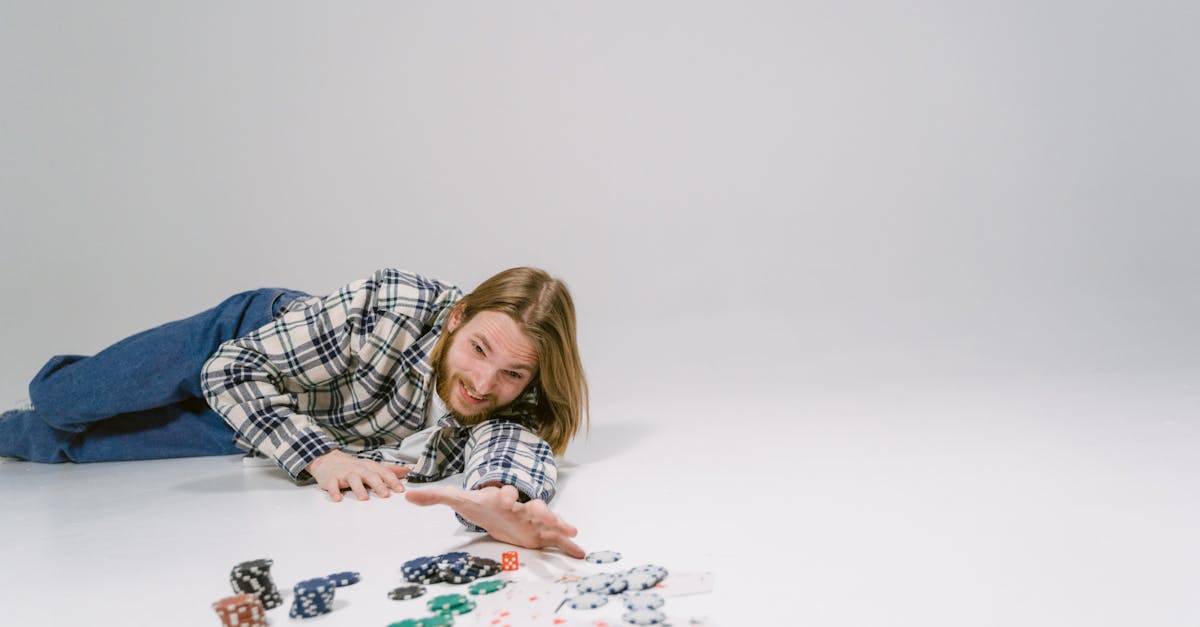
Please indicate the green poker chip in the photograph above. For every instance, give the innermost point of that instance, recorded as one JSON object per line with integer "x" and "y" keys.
{"x": 445, "y": 602}
{"x": 488, "y": 587}
{"x": 408, "y": 622}
{"x": 438, "y": 620}
{"x": 460, "y": 609}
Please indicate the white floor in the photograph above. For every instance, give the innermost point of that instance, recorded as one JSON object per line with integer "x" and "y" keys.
{"x": 1056, "y": 501}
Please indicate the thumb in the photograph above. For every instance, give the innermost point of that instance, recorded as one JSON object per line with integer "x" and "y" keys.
{"x": 437, "y": 496}
{"x": 424, "y": 497}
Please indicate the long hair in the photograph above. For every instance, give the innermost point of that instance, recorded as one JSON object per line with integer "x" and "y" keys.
{"x": 542, "y": 305}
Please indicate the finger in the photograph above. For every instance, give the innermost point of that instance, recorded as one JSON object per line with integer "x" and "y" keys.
{"x": 430, "y": 496}
{"x": 392, "y": 479}
{"x": 330, "y": 486}
{"x": 562, "y": 543}
{"x": 541, "y": 515}
{"x": 567, "y": 528}
{"x": 378, "y": 483}
{"x": 356, "y": 486}
{"x": 398, "y": 470}
{"x": 555, "y": 521}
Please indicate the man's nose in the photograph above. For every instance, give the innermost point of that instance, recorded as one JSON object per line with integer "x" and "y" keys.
{"x": 483, "y": 380}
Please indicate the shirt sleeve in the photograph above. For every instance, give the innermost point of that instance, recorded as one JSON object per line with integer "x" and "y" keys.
{"x": 253, "y": 381}
{"x": 500, "y": 449}
{"x": 512, "y": 454}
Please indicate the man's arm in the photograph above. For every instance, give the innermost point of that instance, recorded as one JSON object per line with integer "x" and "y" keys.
{"x": 510, "y": 478}
{"x": 254, "y": 381}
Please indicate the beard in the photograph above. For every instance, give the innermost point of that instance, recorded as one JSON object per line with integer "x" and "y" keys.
{"x": 447, "y": 384}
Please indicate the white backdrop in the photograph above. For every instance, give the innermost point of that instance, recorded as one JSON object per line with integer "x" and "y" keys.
{"x": 924, "y": 272}
{"x": 738, "y": 193}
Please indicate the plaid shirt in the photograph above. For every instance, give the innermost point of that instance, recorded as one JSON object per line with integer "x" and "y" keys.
{"x": 352, "y": 371}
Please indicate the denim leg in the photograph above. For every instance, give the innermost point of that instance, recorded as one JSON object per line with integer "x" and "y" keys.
{"x": 137, "y": 398}
{"x": 185, "y": 429}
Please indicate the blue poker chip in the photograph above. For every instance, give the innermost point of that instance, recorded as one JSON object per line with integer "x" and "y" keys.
{"x": 315, "y": 585}
{"x": 420, "y": 565}
{"x": 347, "y": 578}
{"x": 587, "y": 601}
{"x": 452, "y": 557}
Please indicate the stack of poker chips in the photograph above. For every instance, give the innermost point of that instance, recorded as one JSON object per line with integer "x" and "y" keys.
{"x": 312, "y": 597}
{"x": 457, "y": 568}
{"x": 242, "y": 610}
{"x": 254, "y": 577}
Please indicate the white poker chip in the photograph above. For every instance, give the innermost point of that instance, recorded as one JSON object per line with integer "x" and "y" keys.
{"x": 594, "y": 583}
{"x": 603, "y": 557}
{"x": 587, "y": 601}
{"x": 617, "y": 585}
{"x": 644, "y": 617}
{"x": 643, "y": 601}
{"x": 642, "y": 580}
{"x": 649, "y": 568}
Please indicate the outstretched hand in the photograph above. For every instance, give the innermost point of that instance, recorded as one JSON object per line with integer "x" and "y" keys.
{"x": 531, "y": 525}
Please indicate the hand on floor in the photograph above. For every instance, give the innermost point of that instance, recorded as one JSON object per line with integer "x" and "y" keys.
{"x": 335, "y": 471}
{"x": 531, "y": 525}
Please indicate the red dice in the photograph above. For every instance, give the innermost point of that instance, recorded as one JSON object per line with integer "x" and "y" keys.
{"x": 508, "y": 561}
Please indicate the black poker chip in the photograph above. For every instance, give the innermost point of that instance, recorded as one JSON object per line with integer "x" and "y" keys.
{"x": 404, "y": 593}
{"x": 449, "y": 576}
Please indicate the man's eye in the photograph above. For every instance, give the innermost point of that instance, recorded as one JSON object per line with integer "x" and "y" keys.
{"x": 478, "y": 349}
{"x": 514, "y": 374}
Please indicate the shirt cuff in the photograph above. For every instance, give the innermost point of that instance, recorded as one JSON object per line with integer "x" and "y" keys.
{"x": 295, "y": 456}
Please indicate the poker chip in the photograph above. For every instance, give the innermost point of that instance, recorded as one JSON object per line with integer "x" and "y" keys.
{"x": 644, "y": 617}
{"x": 419, "y": 567}
{"x": 616, "y": 585}
{"x": 436, "y": 577}
{"x": 347, "y": 578}
{"x": 649, "y": 568}
{"x": 594, "y": 583}
{"x": 312, "y": 597}
{"x": 446, "y": 559}
{"x": 603, "y": 557}
{"x": 449, "y": 576}
{"x": 408, "y": 622}
{"x": 587, "y": 601}
{"x": 445, "y": 602}
{"x": 404, "y": 593}
{"x": 242, "y": 610}
{"x": 643, "y": 601}
{"x": 438, "y": 620}
{"x": 488, "y": 587}
{"x": 487, "y": 567}
{"x": 464, "y": 608}
{"x": 645, "y": 577}
{"x": 254, "y": 577}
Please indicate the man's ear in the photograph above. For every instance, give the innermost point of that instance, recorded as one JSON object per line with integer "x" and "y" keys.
{"x": 456, "y": 316}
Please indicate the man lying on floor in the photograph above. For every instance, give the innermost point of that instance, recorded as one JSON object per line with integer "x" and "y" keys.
{"x": 342, "y": 389}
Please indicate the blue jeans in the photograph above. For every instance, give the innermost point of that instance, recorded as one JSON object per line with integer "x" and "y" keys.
{"x": 139, "y": 398}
